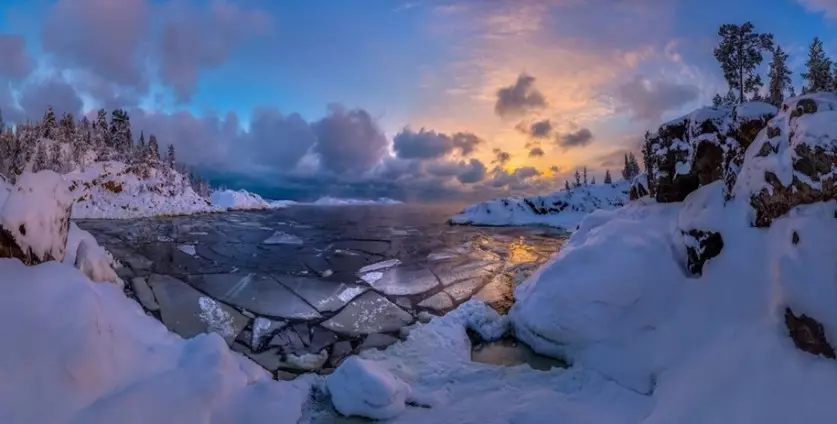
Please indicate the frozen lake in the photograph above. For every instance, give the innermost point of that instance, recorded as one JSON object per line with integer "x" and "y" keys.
{"x": 300, "y": 288}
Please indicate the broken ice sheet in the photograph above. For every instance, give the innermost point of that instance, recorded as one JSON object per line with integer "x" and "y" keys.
{"x": 188, "y": 249}
{"x": 377, "y": 266}
{"x": 282, "y": 238}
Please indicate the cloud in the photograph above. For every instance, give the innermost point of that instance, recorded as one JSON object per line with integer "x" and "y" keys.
{"x": 474, "y": 172}
{"x": 348, "y": 141}
{"x": 578, "y": 138}
{"x": 536, "y": 152}
{"x": 520, "y": 98}
{"x": 15, "y": 62}
{"x": 430, "y": 144}
{"x": 278, "y": 140}
{"x": 647, "y": 100}
{"x": 36, "y": 96}
{"x": 202, "y": 39}
{"x": 828, "y": 7}
{"x": 541, "y": 129}
{"x": 501, "y": 157}
{"x": 102, "y": 36}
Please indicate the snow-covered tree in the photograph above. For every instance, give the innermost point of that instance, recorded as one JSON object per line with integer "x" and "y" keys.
{"x": 626, "y": 170}
{"x": 780, "y": 77}
{"x": 170, "y": 158}
{"x": 56, "y": 158}
{"x": 101, "y": 134}
{"x": 577, "y": 179}
{"x": 585, "y": 175}
{"x": 593, "y": 180}
{"x": 67, "y": 129}
{"x": 647, "y": 154}
{"x": 120, "y": 132}
{"x": 2, "y": 123}
{"x": 817, "y": 68}
{"x": 48, "y": 125}
{"x": 718, "y": 100}
{"x": 41, "y": 159}
{"x": 153, "y": 149}
{"x": 567, "y": 185}
{"x": 608, "y": 179}
{"x": 730, "y": 99}
{"x": 740, "y": 54}
{"x": 141, "y": 148}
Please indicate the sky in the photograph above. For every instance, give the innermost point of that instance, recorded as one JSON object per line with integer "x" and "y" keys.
{"x": 422, "y": 100}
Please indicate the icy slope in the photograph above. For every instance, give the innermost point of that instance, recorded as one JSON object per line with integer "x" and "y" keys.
{"x": 114, "y": 190}
{"x": 244, "y": 200}
{"x": 564, "y": 209}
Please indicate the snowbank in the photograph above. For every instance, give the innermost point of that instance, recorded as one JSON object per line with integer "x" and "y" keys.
{"x": 244, "y": 200}
{"x": 713, "y": 349}
{"x": 363, "y": 388}
{"x": 564, "y": 209}
{"x": 114, "y": 190}
{"x": 334, "y": 201}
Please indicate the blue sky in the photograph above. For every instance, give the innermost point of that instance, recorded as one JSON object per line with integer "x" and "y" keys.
{"x": 198, "y": 72}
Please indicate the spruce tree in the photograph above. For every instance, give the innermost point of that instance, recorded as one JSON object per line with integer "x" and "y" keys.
{"x": 577, "y": 179}
{"x": 41, "y": 159}
{"x": 718, "y": 100}
{"x": 101, "y": 137}
{"x": 739, "y": 54}
{"x": 170, "y": 159}
{"x": 818, "y": 68}
{"x": 2, "y": 123}
{"x": 567, "y": 185}
{"x": 585, "y": 175}
{"x": 153, "y": 149}
{"x": 48, "y": 124}
{"x": 780, "y": 77}
{"x": 67, "y": 129}
{"x": 633, "y": 165}
{"x": 56, "y": 158}
{"x": 647, "y": 155}
{"x": 608, "y": 179}
{"x": 626, "y": 170}
{"x": 730, "y": 99}
{"x": 593, "y": 180}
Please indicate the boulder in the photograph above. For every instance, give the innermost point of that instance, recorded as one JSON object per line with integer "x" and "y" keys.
{"x": 639, "y": 187}
{"x": 700, "y": 247}
{"x": 702, "y": 147}
{"x": 792, "y": 162}
{"x": 808, "y": 334}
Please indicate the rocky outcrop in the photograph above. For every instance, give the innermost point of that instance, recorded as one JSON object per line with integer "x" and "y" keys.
{"x": 792, "y": 163}
{"x": 701, "y": 246}
{"x": 808, "y": 334}
{"x": 639, "y": 187}
{"x": 704, "y": 146}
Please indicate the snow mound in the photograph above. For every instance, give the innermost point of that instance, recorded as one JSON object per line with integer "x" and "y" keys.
{"x": 564, "y": 209}
{"x": 363, "y": 388}
{"x": 334, "y": 201}
{"x": 114, "y": 190}
{"x": 617, "y": 300}
{"x": 36, "y": 215}
{"x": 244, "y": 200}
{"x": 89, "y": 257}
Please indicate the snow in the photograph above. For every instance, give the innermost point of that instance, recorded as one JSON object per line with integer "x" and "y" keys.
{"x": 35, "y": 213}
{"x": 563, "y": 209}
{"x": 364, "y": 388}
{"x": 334, "y": 201}
{"x": 188, "y": 249}
{"x": 245, "y": 200}
{"x": 113, "y": 190}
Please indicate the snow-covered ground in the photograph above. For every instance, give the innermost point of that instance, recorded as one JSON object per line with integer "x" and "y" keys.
{"x": 113, "y": 190}
{"x": 563, "y": 209}
{"x": 245, "y": 200}
{"x": 335, "y": 201}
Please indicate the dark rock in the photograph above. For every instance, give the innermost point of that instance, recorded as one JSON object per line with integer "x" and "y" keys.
{"x": 285, "y": 376}
{"x": 808, "y": 334}
{"x": 377, "y": 341}
{"x": 702, "y": 246}
{"x": 339, "y": 352}
{"x": 303, "y": 332}
{"x": 639, "y": 187}
{"x": 795, "y": 238}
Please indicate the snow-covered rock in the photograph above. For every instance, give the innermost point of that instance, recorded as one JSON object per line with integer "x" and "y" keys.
{"x": 704, "y": 146}
{"x": 563, "y": 209}
{"x": 793, "y": 162}
{"x": 245, "y": 200}
{"x": 639, "y": 187}
{"x": 363, "y": 388}
{"x": 114, "y": 190}
{"x": 35, "y": 218}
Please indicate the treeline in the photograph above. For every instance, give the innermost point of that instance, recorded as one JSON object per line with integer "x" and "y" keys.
{"x": 67, "y": 144}
{"x": 740, "y": 53}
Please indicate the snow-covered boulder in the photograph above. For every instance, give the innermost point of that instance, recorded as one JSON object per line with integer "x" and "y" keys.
{"x": 792, "y": 162}
{"x": 85, "y": 253}
{"x": 705, "y": 146}
{"x": 114, "y": 190}
{"x": 639, "y": 187}
{"x": 564, "y": 209}
{"x": 35, "y": 218}
{"x": 359, "y": 387}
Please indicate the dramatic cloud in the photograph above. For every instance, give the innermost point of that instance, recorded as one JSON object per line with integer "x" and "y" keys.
{"x": 518, "y": 99}
{"x": 475, "y": 172}
{"x": 348, "y": 141}
{"x": 536, "y": 152}
{"x": 501, "y": 157}
{"x": 430, "y": 144}
{"x": 514, "y": 180}
{"x": 278, "y": 140}
{"x": 541, "y": 129}
{"x": 15, "y": 62}
{"x": 579, "y": 138}
{"x": 204, "y": 39}
{"x": 60, "y": 95}
{"x": 648, "y": 100}
{"x": 102, "y": 36}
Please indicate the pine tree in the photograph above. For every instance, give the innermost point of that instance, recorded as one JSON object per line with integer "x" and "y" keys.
{"x": 585, "y": 175}
{"x": 818, "y": 68}
{"x": 730, "y": 99}
{"x": 780, "y": 77}
{"x": 577, "y": 179}
{"x": 56, "y": 158}
{"x": 593, "y": 180}
{"x": 647, "y": 155}
{"x": 153, "y": 149}
{"x": 41, "y": 159}
{"x": 626, "y": 170}
{"x": 101, "y": 134}
{"x": 48, "y": 125}
{"x": 608, "y": 179}
{"x": 739, "y": 54}
{"x": 717, "y": 101}
{"x": 567, "y": 185}
{"x": 792, "y": 92}
{"x": 67, "y": 129}
{"x": 170, "y": 159}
